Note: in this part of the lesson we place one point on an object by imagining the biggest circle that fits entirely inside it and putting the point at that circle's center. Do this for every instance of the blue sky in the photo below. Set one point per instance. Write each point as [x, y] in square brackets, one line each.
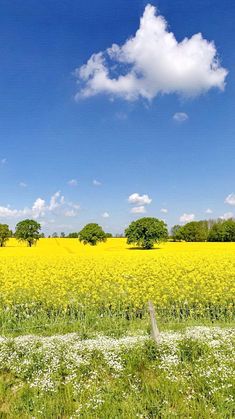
[144, 128]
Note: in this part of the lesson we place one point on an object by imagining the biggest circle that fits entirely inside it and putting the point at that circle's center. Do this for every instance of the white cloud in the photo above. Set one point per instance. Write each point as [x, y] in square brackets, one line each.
[186, 218]
[57, 205]
[74, 206]
[56, 201]
[209, 211]
[230, 199]
[180, 117]
[153, 62]
[121, 116]
[7, 212]
[70, 213]
[73, 182]
[226, 216]
[23, 185]
[164, 210]
[39, 208]
[96, 182]
[138, 210]
[138, 199]
[105, 215]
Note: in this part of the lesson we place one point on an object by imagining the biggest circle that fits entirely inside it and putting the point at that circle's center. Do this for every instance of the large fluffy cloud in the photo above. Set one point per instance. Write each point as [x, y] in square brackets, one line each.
[153, 62]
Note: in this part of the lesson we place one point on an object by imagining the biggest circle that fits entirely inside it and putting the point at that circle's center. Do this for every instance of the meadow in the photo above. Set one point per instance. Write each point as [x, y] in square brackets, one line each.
[75, 327]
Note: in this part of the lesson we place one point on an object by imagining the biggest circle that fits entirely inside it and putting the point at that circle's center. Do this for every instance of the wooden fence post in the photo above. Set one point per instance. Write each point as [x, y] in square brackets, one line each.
[155, 331]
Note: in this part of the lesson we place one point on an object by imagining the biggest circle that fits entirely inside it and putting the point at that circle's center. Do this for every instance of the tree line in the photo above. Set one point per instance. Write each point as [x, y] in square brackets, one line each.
[206, 230]
[144, 232]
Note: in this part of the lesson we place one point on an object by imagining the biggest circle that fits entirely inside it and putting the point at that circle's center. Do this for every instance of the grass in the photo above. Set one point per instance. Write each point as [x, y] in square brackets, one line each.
[89, 321]
[189, 375]
[90, 364]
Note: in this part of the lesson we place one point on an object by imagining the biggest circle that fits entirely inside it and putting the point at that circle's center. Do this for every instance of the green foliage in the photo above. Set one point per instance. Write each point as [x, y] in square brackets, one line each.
[108, 235]
[222, 231]
[72, 236]
[29, 231]
[175, 232]
[5, 234]
[211, 230]
[195, 231]
[146, 231]
[92, 234]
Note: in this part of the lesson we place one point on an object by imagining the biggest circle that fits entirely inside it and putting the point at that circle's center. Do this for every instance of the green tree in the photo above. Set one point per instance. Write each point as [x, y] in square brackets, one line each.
[222, 231]
[72, 235]
[195, 231]
[92, 234]
[28, 231]
[146, 231]
[108, 235]
[5, 234]
[176, 232]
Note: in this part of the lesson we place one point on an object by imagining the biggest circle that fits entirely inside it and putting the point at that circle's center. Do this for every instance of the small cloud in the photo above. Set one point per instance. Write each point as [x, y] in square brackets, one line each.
[226, 216]
[75, 206]
[121, 116]
[186, 218]
[138, 210]
[23, 185]
[73, 182]
[138, 199]
[230, 199]
[208, 211]
[96, 182]
[105, 215]
[164, 210]
[180, 116]
[70, 213]
[3, 161]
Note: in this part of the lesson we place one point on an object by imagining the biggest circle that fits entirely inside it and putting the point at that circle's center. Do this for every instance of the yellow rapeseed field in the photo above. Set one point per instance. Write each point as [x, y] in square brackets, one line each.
[63, 272]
